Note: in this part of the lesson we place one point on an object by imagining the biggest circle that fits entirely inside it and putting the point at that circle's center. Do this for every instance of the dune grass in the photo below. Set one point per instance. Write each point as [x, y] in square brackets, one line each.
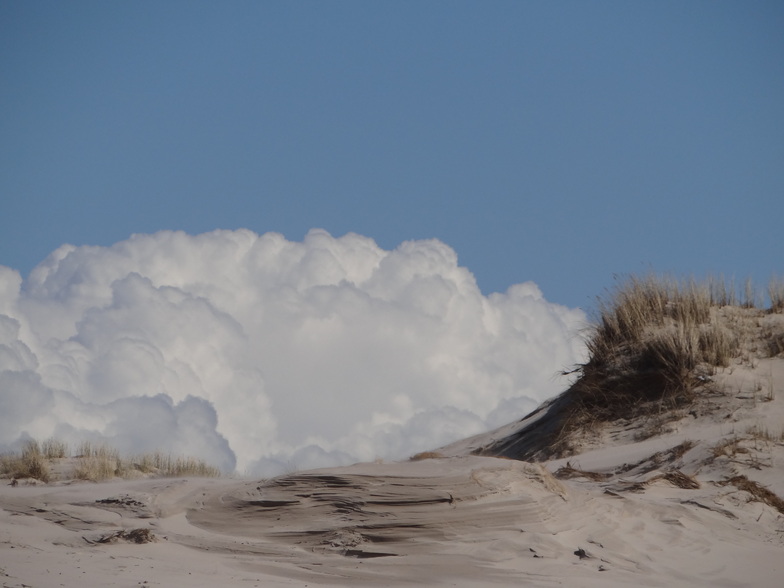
[98, 462]
[776, 294]
[170, 465]
[95, 462]
[650, 337]
[54, 449]
[30, 462]
[426, 455]
[757, 492]
[656, 340]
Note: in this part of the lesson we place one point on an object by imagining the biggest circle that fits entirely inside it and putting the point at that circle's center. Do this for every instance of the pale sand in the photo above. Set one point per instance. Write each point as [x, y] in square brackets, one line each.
[457, 521]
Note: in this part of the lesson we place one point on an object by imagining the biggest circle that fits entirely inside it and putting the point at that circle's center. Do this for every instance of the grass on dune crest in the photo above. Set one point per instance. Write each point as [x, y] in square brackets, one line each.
[776, 294]
[655, 340]
[52, 460]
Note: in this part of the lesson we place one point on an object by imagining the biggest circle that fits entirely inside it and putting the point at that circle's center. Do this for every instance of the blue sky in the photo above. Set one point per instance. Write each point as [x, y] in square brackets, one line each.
[558, 142]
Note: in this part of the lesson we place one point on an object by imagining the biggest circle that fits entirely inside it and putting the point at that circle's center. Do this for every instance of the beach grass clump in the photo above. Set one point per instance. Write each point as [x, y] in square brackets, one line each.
[657, 340]
[95, 462]
[757, 492]
[30, 462]
[166, 464]
[653, 349]
[426, 455]
[54, 449]
[776, 294]
[568, 472]
[650, 340]
[34, 462]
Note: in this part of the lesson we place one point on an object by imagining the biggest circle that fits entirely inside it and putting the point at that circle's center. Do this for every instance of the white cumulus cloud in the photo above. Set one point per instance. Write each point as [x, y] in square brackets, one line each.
[261, 354]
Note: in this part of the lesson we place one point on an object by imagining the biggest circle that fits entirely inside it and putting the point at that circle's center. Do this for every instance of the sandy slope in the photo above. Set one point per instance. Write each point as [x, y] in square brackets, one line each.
[652, 512]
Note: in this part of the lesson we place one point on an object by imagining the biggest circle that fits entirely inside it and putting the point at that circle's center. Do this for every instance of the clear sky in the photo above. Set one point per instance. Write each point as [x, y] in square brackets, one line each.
[418, 201]
[558, 142]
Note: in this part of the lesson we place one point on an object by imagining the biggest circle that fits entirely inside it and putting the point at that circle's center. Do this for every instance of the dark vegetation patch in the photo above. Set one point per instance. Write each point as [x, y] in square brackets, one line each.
[652, 349]
[568, 472]
[678, 479]
[138, 536]
[645, 350]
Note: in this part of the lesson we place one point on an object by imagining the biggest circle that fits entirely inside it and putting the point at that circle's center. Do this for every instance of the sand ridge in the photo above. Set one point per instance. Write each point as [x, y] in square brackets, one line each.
[678, 501]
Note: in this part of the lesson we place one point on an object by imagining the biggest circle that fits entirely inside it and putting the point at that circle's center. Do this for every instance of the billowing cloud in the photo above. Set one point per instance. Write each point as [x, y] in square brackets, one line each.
[259, 353]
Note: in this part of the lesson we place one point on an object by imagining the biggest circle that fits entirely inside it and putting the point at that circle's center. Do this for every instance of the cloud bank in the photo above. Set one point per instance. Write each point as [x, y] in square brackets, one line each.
[261, 354]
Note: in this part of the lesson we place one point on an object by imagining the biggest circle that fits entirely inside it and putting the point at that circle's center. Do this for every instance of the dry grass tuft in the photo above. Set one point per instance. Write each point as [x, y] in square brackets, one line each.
[680, 480]
[776, 294]
[568, 472]
[97, 463]
[659, 459]
[133, 536]
[54, 449]
[679, 450]
[426, 455]
[762, 433]
[729, 447]
[33, 463]
[651, 347]
[29, 463]
[758, 492]
[746, 451]
[164, 464]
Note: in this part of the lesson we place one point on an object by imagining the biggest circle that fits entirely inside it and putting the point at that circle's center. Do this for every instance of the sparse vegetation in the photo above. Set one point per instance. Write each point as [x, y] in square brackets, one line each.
[651, 336]
[776, 294]
[757, 491]
[138, 536]
[656, 424]
[96, 463]
[775, 344]
[763, 434]
[655, 343]
[729, 447]
[568, 472]
[426, 455]
[678, 479]
[169, 465]
[655, 350]
[54, 449]
[34, 461]
[29, 463]
[659, 458]
[745, 450]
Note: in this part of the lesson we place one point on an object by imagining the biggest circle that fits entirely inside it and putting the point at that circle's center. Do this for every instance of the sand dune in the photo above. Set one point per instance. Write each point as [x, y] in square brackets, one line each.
[687, 497]
[613, 519]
